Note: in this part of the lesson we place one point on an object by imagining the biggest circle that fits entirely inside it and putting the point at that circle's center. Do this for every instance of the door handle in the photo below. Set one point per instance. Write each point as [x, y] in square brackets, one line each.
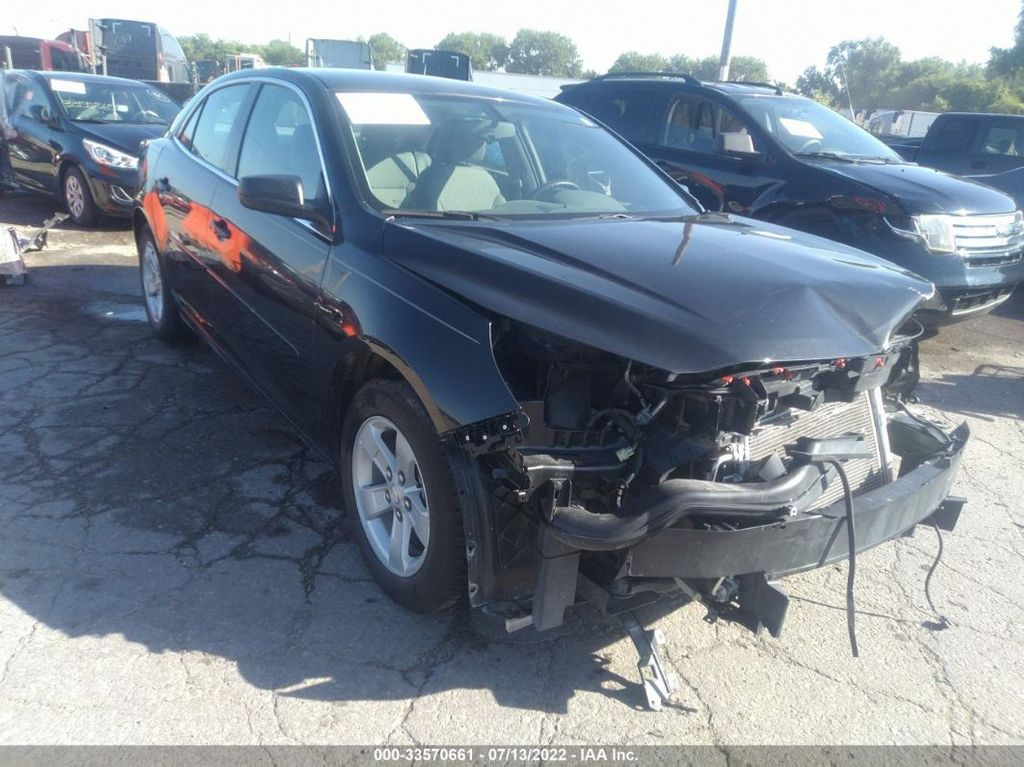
[221, 229]
[978, 165]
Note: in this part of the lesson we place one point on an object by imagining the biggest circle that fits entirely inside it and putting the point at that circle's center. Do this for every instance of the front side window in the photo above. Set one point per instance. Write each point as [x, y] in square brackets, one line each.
[212, 139]
[702, 126]
[279, 140]
[431, 153]
[806, 128]
[95, 101]
[1003, 139]
[24, 93]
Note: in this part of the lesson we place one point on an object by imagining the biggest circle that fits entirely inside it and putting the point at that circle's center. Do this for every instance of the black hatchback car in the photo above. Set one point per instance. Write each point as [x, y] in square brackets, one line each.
[753, 150]
[540, 369]
[78, 137]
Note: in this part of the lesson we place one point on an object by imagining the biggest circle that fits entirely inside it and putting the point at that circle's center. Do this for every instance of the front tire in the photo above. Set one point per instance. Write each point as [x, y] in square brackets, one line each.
[78, 198]
[161, 310]
[400, 497]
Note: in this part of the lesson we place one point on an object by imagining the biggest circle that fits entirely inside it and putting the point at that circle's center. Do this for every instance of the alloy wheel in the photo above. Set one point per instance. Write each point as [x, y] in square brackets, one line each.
[74, 195]
[390, 496]
[152, 283]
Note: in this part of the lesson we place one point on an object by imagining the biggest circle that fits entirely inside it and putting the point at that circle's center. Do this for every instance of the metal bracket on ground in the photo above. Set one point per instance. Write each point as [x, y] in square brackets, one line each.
[659, 684]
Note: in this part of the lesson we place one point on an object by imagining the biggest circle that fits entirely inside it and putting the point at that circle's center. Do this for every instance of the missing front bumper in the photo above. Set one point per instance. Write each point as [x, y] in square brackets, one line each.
[808, 540]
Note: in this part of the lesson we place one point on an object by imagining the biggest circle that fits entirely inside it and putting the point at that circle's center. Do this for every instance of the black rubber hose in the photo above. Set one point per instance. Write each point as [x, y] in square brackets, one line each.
[666, 504]
[851, 538]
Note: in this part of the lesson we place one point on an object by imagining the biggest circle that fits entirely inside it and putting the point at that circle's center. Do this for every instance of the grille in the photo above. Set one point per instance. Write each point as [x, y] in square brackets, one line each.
[828, 420]
[989, 240]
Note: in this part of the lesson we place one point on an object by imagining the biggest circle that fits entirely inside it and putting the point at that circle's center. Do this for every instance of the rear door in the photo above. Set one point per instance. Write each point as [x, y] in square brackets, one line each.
[272, 264]
[201, 163]
[948, 144]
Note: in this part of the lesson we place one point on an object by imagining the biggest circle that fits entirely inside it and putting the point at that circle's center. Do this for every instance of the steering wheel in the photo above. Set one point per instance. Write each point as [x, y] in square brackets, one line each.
[558, 183]
[809, 143]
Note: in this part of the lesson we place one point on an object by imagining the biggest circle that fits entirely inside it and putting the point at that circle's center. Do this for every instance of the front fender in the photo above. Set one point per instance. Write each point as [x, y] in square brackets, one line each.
[440, 346]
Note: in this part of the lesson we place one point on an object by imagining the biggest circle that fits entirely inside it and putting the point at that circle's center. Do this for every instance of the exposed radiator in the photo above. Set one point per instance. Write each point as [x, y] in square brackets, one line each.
[829, 420]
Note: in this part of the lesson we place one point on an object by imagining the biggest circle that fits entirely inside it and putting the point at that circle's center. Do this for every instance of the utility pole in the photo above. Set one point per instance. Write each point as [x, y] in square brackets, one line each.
[723, 62]
[846, 82]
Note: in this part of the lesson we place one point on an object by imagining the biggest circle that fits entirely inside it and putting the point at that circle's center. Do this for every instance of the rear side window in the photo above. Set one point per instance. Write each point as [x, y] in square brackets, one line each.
[279, 140]
[953, 134]
[627, 111]
[1004, 139]
[212, 139]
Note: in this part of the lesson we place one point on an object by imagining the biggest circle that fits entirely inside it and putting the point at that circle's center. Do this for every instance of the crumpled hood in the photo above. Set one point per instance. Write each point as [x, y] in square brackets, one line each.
[925, 190]
[687, 296]
[127, 137]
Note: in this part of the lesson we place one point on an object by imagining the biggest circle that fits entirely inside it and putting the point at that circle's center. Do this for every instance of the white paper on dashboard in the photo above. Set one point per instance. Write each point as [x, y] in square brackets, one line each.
[382, 109]
[68, 86]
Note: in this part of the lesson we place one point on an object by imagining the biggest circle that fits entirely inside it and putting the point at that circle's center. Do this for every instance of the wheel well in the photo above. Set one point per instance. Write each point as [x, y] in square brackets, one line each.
[139, 222]
[350, 373]
[65, 165]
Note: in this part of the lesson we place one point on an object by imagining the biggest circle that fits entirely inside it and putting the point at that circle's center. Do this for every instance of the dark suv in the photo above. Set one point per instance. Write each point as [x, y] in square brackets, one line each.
[751, 149]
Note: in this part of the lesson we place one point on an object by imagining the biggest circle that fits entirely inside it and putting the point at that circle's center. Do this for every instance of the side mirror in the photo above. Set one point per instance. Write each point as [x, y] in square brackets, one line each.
[739, 145]
[41, 113]
[282, 195]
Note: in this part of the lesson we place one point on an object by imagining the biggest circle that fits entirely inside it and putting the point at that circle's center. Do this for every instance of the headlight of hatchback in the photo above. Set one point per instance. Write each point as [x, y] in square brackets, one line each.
[937, 232]
[107, 155]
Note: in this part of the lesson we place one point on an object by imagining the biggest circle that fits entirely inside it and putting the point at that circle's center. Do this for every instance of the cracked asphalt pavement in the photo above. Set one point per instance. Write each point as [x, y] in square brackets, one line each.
[174, 568]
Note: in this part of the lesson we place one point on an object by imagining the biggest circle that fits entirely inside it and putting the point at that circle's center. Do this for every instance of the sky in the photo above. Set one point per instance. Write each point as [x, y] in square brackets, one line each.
[788, 34]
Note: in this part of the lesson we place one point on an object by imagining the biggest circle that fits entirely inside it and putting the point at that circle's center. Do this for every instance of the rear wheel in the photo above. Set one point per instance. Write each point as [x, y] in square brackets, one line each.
[78, 198]
[161, 310]
[400, 497]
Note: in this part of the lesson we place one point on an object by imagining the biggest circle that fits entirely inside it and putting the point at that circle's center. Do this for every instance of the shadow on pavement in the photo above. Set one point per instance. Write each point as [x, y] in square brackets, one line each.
[30, 209]
[145, 491]
[990, 392]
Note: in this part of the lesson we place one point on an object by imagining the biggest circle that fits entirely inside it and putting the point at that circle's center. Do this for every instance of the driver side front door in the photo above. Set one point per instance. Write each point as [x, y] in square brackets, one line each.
[714, 153]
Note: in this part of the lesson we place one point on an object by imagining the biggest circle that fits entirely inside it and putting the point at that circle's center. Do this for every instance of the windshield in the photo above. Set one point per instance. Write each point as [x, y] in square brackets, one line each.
[805, 127]
[117, 102]
[437, 154]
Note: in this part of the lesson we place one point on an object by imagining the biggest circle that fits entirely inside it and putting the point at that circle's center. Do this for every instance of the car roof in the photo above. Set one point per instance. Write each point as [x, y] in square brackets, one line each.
[1001, 115]
[677, 80]
[86, 77]
[387, 82]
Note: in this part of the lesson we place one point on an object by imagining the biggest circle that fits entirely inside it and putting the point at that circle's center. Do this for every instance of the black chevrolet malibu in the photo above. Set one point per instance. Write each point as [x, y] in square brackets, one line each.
[543, 372]
[78, 137]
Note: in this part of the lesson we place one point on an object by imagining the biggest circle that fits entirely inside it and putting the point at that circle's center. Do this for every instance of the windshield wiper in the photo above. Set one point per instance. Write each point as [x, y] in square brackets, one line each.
[828, 156]
[462, 215]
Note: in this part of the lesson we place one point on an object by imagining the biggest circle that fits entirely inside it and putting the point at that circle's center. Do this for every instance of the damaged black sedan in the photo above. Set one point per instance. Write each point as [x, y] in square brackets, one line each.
[544, 374]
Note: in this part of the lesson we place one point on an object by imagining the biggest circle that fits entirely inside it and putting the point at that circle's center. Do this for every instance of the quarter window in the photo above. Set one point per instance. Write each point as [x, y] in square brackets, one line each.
[212, 139]
[279, 140]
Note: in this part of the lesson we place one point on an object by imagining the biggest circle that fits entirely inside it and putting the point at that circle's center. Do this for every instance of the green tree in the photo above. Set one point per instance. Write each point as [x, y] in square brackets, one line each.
[487, 52]
[535, 52]
[386, 50]
[748, 68]
[816, 84]
[869, 69]
[1007, 61]
[633, 61]
[282, 53]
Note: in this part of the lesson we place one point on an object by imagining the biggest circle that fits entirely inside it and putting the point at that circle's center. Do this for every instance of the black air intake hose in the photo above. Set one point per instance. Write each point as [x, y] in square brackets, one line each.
[666, 504]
